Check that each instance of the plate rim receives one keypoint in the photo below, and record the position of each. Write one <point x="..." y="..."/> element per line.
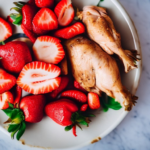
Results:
<point x="134" y="88"/>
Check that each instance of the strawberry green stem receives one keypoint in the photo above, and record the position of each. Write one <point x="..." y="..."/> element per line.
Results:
<point x="16" y="121"/>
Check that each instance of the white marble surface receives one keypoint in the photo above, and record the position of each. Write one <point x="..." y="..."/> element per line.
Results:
<point x="134" y="131"/>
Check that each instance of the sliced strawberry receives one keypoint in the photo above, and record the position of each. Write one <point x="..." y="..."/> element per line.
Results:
<point x="32" y="36"/>
<point x="45" y="19"/>
<point x="84" y="107"/>
<point x="70" y="32"/>
<point x="38" y="31"/>
<point x="5" y="98"/>
<point x="93" y="100"/>
<point x="77" y="95"/>
<point x="65" y="12"/>
<point x="18" y="95"/>
<point x="39" y="77"/>
<point x="28" y="12"/>
<point x="7" y="81"/>
<point x="5" y="30"/>
<point x="63" y="85"/>
<point x="48" y="49"/>
<point x="77" y="85"/>
<point x="9" y="19"/>
<point x="44" y="3"/>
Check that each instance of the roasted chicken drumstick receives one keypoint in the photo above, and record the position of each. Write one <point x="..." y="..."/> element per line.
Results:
<point x="100" y="29"/>
<point x="97" y="71"/>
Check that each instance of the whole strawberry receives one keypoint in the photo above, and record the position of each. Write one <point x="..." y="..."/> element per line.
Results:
<point x="14" y="55"/>
<point x="31" y="110"/>
<point x="65" y="113"/>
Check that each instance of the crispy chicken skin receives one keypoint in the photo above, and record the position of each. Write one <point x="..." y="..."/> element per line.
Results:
<point x="97" y="71"/>
<point x="100" y="29"/>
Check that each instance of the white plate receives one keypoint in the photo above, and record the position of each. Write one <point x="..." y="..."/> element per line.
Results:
<point x="47" y="133"/>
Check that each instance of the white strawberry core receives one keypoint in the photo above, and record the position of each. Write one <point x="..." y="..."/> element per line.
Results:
<point x="65" y="16"/>
<point x="3" y="81"/>
<point x="45" y="51"/>
<point x="3" y="32"/>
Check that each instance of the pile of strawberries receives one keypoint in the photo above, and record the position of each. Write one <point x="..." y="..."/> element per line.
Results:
<point x="37" y="71"/>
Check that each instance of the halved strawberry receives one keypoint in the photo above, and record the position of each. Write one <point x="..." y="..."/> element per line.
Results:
<point x="78" y="86"/>
<point x="63" y="85"/>
<point x="71" y="31"/>
<point x="38" y="31"/>
<point x="93" y="100"/>
<point x="77" y="95"/>
<point x="5" y="30"/>
<point x="5" y="98"/>
<point x="32" y="36"/>
<point x="48" y="49"/>
<point x="7" y="81"/>
<point x="65" y="12"/>
<point x="84" y="107"/>
<point x="9" y="19"/>
<point x="39" y="77"/>
<point x="44" y="3"/>
<point x="45" y="19"/>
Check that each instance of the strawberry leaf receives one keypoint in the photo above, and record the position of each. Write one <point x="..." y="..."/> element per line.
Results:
<point x="18" y="21"/>
<point x="17" y="9"/>
<point x="14" y="132"/>
<point x="13" y="127"/>
<point x="19" y="4"/>
<point x="99" y="3"/>
<point x="83" y="123"/>
<point x="21" y="130"/>
<point x="10" y="105"/>
<point x="68" y="128"/>
<point x="8" y="112"/>
<point x="2" y="43"/>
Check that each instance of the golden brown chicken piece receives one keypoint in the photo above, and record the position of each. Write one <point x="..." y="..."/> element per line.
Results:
<point x="96" y="71"/>
<point x="100" y="29"/>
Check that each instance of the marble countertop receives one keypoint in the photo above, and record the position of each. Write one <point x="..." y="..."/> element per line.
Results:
<point x="134" y="131"/>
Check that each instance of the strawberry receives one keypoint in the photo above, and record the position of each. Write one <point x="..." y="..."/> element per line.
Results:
<point x="93" y="100"/>
<point x="9" y="19"/>
<point x="33" y="107"/>
<point x="44" y="3"/>
<point x="39" y="77"/>
<point x="15" y="55"/>
<point x="45" y="19"/>
<point x="71" y="31"/>
<point x="38" y="31"/>
<point x="63" y="85"/>
<point x="31" y="110"/>
<point x="77" y="95"/>
<point x="25" y="15"/>
<point x="28" y="12"/>
<point x="18" y="95"/>
<point x="65" y="113"/>
<point x="5" y="30"/>
<point x="65" y="12"/>
<point x="29" y="33"/>
<point x="84" y="107"/>
<point x="7" y="81"/>
<point x="48" y="49"/>
<point x="5" y="98"/>
<point x="77" y="85"/>
<point x="31" y="2"/>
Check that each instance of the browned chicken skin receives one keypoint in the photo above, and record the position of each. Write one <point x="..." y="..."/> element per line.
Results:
<point x="100" y="29"/>
<point x="96" y="71"/>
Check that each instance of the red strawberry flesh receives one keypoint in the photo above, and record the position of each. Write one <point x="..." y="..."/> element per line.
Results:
<point x="7" y="81"/>
<point x="77" y="95"/>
